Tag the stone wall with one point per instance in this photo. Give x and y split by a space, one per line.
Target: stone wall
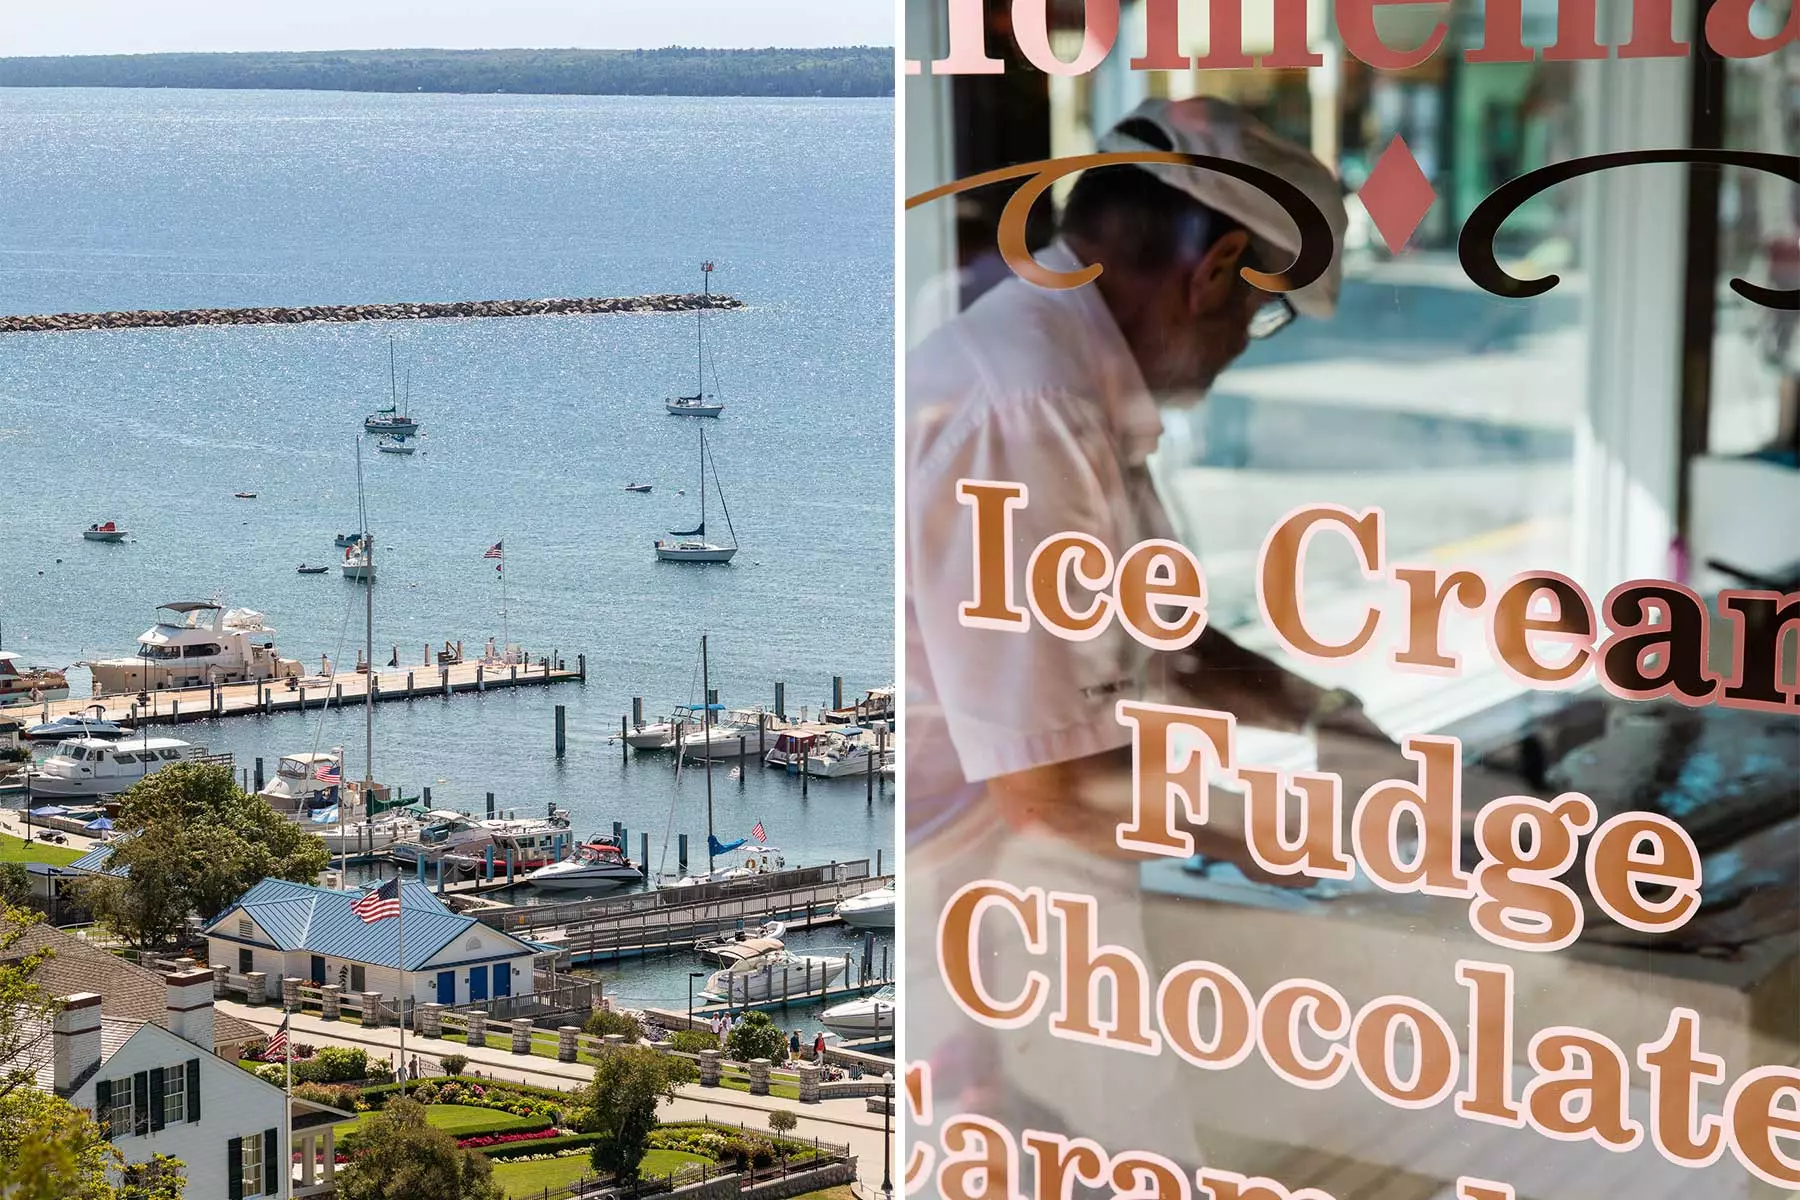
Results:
798 1183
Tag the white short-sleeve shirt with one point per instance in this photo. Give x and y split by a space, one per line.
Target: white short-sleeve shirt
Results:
1036 387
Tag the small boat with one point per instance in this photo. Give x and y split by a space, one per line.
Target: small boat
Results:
109 532
869 1017
596 863
245 495
73 726
303 569
851 753
732 947
637 487
395 445
91 766
692 546
871 910
791 749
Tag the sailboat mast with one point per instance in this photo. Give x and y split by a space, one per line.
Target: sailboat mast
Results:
393 390
700 340
703 488
706 732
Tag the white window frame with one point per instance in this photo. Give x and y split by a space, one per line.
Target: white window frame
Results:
174 1095
250 1176
127 1127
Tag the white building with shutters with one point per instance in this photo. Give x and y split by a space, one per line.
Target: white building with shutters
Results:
156 1090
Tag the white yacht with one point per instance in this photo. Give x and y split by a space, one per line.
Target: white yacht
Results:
870 910
90 766
723 739
773 974
837 755
870 1016
195 643
531 844
304 781
729 948
27 686
359 561
442 832
662 735
595 864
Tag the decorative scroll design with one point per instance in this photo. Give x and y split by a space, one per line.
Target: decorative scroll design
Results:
1476 245
1316 241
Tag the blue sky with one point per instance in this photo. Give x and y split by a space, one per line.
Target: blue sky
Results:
145 26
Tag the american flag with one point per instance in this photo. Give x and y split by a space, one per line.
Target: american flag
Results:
495 551
278 1043
706 266
329 772
380 904
756 831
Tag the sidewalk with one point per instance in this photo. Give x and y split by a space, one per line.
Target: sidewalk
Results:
841 1121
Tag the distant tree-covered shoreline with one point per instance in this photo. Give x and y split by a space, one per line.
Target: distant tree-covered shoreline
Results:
673 71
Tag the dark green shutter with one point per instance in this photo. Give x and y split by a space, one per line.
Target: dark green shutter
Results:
140 1094
271 1177
103 1106
234 1167
192 1108
156 1098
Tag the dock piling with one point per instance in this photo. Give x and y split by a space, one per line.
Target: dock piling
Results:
618 833
509 866
781 699
681 853
878 862
481 678
444 672
490 806
644 855
869 777
624 730
637 712
581 667
742 774
409 685
561 730
762 732
837 692
259 773
425 797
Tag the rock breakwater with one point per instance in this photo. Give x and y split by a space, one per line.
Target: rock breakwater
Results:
455 310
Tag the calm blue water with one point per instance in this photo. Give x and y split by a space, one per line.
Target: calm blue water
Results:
168 199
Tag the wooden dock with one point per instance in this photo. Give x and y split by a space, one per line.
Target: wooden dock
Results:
667 919
311 693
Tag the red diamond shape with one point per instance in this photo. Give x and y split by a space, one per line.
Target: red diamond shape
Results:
1397 195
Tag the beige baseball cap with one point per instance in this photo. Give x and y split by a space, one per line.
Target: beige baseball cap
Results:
1210 126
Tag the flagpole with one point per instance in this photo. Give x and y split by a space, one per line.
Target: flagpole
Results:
504 635
400 964
287 1059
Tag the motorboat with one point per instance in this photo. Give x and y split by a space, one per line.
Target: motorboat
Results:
692 545
195 643
442 832
870 910
464 842
244 495
876 707
359 561
771 975
105 532
25 685
756 860
867 1017
596 863
74 725
695 406
638 487
395 445
735 946
303 569
305 780
837 755
791 748
663 735
731 738
91 766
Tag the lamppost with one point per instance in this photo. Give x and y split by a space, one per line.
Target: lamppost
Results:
887 1138
692 975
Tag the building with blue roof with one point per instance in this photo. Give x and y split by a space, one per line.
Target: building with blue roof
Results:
295 929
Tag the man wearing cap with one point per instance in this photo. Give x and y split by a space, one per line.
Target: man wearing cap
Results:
1018 768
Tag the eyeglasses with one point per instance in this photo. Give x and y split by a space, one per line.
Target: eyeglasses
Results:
1275 314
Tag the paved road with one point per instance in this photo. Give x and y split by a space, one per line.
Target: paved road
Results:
841 1121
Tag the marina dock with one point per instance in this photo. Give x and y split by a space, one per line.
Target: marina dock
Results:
311 693
607 930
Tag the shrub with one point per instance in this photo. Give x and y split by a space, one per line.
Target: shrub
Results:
484 1140
605 1022
756 1036
454 1064
783 1120
693 1041
549 1147
342 1096
341 1064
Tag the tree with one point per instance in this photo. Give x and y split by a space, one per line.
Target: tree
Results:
603 1022
783 1122
15 885
756 1036
26 1012
193 842
620 1104
399 1156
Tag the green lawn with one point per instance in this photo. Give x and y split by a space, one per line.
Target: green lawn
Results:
17 850
526 1179
462 1120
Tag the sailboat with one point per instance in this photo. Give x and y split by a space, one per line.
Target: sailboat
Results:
699 404
359 555
760 858
691 545
393 418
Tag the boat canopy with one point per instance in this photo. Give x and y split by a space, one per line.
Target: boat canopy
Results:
715 847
